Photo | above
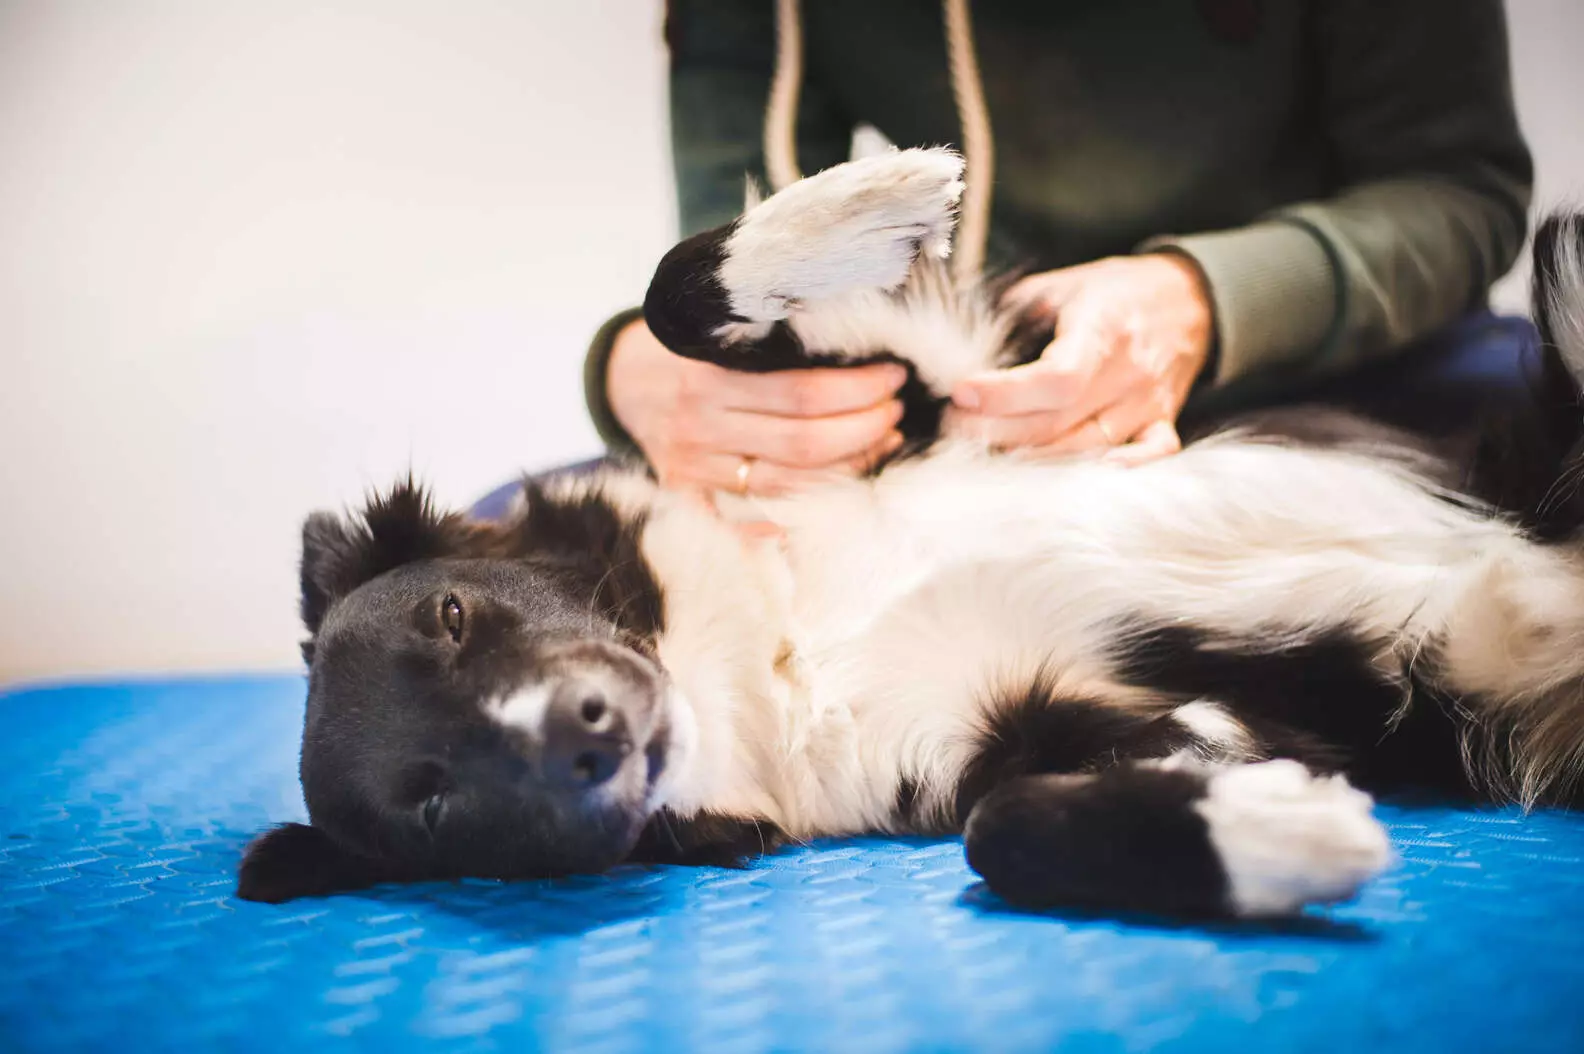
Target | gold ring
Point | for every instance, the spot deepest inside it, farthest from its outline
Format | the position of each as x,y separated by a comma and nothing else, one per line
1100,424
744,469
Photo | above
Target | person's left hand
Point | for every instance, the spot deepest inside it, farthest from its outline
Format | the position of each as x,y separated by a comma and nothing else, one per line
1133,334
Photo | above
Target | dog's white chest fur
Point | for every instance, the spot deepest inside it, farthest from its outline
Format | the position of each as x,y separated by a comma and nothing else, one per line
825,674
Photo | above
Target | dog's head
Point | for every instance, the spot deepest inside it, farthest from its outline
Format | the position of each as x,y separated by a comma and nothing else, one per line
482,698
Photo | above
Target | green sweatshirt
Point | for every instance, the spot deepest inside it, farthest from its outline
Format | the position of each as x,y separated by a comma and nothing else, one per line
1348,174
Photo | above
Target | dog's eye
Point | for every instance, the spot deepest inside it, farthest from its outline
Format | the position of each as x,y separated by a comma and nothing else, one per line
451,617
431,811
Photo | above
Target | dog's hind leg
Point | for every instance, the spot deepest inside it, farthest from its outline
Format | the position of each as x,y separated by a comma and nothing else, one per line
1160,807
731,295
1177,837
842,268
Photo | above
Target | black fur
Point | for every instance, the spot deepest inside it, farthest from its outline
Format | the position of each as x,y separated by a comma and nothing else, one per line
686,304
1507,457
602,548
1559,511
1124,838
1322,701
906,811
296,860
705,840
1040,732
419,619
396,528
1551,238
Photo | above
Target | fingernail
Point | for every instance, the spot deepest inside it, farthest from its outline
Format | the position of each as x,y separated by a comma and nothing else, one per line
966,398
893,441
896,375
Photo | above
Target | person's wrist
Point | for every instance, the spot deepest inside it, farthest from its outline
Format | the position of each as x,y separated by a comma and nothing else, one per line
624,362
1200,309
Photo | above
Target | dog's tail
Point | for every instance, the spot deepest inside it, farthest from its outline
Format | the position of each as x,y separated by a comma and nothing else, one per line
1557,305
1558,289
1529,462
1512,650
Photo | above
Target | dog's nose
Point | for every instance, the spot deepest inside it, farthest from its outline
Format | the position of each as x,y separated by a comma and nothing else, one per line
586,737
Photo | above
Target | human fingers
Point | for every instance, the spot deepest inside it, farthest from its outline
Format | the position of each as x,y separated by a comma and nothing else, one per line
822,392
1156,441
750,476
1111,428
803,443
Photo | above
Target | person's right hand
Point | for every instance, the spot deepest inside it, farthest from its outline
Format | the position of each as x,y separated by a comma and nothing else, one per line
698,423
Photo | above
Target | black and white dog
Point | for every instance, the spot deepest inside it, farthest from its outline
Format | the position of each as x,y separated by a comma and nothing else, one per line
1148,688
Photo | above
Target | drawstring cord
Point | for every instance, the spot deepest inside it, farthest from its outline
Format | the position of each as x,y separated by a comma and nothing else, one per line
780,125
973,233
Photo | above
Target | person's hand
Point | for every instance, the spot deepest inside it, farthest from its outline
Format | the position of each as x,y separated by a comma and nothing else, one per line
1132,336
699,425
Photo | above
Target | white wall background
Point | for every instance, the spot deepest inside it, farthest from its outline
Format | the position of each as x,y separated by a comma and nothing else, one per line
1549,84
255,257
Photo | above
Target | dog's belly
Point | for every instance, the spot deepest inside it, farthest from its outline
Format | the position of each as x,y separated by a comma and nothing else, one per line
917,596
1236,536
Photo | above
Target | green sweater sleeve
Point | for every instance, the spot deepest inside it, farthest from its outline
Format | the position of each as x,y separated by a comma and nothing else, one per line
722,55
595,364
1417,103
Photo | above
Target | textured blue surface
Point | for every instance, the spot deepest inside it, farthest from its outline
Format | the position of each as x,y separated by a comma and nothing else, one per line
125,807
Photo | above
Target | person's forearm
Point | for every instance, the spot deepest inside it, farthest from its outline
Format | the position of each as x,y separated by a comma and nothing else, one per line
1431,192
1412,254
1319,286
596,369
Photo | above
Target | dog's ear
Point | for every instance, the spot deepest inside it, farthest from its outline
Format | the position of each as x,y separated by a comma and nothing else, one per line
329,552
396,528
295,860
584,525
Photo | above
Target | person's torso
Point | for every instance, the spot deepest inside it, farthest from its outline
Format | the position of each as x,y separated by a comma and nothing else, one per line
1113,120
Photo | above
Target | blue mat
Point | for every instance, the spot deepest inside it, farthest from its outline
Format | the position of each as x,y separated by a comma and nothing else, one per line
126,805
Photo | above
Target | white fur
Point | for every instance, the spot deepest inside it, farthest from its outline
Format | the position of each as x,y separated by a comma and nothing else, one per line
742,332
907,600
865,649
949,333
813,676
523,710
630,494
852,259
1220,735
1287,838
725,622
851,228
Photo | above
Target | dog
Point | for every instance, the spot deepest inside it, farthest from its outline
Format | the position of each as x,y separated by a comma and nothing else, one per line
1166,689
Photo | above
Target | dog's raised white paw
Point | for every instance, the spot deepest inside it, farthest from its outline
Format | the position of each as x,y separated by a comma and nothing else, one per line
857,226
1287,838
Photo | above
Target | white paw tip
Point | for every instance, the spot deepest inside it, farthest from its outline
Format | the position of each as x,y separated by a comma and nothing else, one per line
941,160
1287,838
